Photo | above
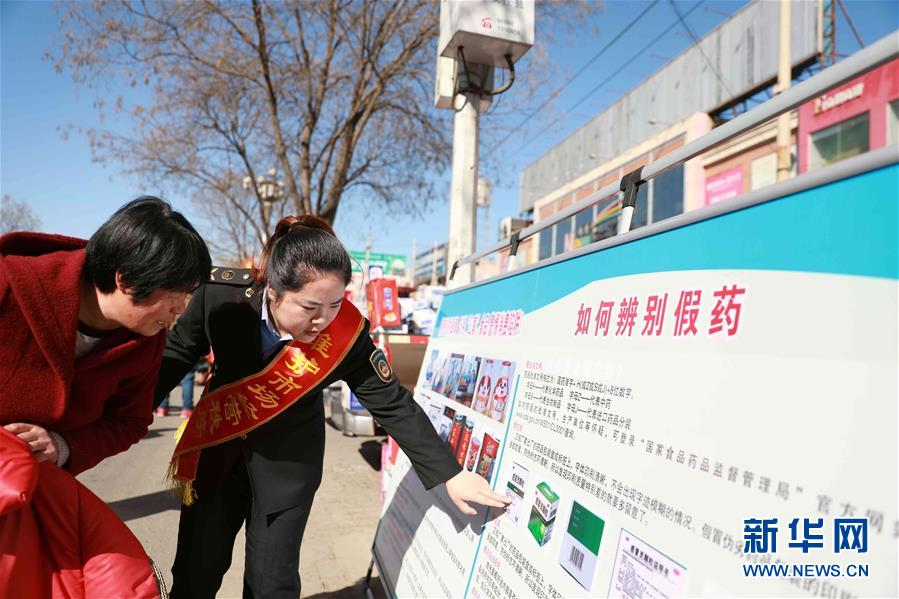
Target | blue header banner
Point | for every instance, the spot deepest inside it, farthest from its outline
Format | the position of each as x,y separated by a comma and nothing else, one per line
798,233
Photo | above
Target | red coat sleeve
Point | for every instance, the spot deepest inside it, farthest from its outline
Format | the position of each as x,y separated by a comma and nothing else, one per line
62,541
127,414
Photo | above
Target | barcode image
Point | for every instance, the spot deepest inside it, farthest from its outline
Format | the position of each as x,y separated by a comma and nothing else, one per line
576,558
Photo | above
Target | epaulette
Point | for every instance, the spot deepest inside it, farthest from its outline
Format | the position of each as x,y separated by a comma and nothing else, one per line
240,277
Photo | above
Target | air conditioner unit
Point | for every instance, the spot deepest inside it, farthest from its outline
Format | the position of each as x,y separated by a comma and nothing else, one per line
510,225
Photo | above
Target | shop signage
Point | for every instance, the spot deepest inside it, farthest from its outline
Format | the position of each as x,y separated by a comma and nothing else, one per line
390,264
724,185
827,102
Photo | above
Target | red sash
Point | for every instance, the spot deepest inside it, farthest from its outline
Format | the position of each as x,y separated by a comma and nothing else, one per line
237,408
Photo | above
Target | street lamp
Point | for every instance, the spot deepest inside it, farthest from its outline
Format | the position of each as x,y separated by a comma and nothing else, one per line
270,190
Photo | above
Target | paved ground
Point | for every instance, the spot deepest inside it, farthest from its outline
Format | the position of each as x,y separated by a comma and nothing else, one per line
337,543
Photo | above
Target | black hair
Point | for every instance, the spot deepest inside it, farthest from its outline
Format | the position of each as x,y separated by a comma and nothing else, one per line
300,250
151,246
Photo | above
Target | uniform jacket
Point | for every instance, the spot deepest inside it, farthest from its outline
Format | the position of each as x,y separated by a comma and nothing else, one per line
58,539
100,404
284,456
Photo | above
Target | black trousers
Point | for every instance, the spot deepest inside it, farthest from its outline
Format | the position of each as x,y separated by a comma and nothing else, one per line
206,539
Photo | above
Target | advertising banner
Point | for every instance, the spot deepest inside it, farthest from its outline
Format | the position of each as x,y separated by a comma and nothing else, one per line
724,186
390,264
382,301
707,411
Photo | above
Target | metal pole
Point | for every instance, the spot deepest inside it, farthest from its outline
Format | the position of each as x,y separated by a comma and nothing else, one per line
434,266
513,263
784,76
624,220
464,187
368,244
367,584
414,249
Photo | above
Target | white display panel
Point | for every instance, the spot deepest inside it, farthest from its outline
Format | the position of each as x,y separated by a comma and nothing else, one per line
698,413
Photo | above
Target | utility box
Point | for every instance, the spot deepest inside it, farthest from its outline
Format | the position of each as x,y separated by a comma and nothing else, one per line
487,29
446,84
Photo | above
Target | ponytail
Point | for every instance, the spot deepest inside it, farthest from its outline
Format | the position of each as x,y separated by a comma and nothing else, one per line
299,249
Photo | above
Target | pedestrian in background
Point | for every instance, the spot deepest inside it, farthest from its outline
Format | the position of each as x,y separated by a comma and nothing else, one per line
187,397
253,449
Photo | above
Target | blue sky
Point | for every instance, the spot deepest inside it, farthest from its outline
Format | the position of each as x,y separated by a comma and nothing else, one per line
71,195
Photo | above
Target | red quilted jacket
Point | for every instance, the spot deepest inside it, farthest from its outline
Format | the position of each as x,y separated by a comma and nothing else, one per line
58,539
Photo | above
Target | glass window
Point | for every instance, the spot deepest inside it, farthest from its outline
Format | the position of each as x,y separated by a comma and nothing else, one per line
606,229
569,234
763,171
839,142
583,223
893,122
546,243
564,239
606,221
668,194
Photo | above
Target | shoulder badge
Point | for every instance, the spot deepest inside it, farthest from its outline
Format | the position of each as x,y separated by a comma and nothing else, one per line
381,365
240,277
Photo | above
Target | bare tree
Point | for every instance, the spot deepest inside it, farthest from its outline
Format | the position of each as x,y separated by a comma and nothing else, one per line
334,97
16,215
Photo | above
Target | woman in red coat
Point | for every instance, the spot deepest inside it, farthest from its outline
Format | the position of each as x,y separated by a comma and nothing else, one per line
84,328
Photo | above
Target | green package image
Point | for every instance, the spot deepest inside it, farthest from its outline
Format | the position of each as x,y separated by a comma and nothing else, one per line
580,545
543,514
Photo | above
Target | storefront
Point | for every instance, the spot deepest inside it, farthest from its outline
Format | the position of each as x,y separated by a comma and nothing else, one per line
745,163
670,194
858,116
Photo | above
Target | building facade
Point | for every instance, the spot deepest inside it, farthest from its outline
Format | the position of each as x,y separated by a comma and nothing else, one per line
679,103
430,266
858,116
745,163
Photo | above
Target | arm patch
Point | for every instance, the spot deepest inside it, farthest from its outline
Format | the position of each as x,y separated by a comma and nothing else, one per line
381,365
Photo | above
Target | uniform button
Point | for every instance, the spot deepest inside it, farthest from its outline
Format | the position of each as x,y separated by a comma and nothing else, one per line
244,437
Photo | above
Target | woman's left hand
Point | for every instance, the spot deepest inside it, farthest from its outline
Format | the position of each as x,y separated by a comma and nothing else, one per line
41,442
468,486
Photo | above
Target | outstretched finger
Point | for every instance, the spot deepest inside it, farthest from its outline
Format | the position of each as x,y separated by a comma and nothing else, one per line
492,500
504,499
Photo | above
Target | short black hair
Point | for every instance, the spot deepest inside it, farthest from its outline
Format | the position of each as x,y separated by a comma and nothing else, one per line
151,246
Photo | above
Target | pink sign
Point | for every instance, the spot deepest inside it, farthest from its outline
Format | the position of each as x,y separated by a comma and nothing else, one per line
724,185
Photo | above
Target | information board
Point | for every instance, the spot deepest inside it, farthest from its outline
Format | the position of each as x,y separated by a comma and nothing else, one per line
706,411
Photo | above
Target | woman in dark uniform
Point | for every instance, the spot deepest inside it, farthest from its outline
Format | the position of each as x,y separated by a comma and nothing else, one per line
253,449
